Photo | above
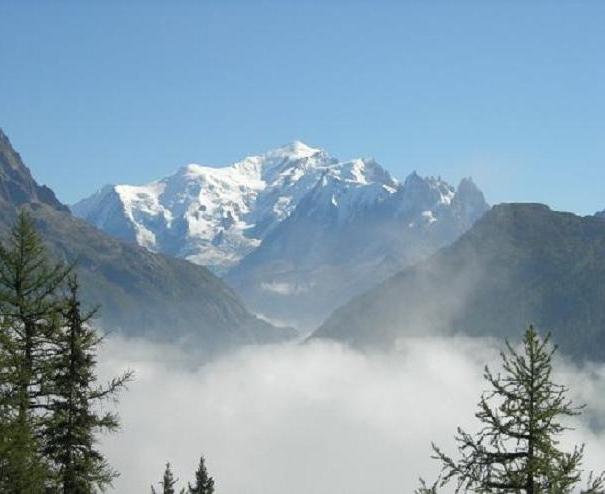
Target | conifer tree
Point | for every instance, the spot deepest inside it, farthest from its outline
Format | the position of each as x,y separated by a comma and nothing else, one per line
48,388
204,483
517,448
75,418
168,482
28,302
28,314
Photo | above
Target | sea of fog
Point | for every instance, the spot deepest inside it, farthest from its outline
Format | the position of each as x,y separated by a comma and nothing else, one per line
315,418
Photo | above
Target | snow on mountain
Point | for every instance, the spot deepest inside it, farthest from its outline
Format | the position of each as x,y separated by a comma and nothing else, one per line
216,216
296,231
345,238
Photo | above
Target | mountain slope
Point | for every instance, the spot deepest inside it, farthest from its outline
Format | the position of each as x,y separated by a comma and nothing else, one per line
17,186
141,293
520,263
341,241
296,231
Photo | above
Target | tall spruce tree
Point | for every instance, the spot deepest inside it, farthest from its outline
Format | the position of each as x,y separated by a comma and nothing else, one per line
517,448
75,419
204,483
28,312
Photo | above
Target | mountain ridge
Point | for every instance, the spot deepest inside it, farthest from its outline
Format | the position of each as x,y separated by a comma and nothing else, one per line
216,215
519,264
17,185
141,293
271,223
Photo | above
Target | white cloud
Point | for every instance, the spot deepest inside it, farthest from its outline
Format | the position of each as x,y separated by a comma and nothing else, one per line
317,418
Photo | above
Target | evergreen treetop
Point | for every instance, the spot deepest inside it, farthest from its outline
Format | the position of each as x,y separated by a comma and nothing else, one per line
517,448
168,483
204,483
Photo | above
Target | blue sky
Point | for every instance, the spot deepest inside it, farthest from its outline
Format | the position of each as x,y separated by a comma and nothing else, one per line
509,92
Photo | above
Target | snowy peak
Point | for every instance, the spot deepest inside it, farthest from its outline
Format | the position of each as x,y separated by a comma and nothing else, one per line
218,215
363,171
418,195
423,187
295,150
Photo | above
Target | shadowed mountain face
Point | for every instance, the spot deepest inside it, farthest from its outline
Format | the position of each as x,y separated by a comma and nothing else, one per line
519,264
140,292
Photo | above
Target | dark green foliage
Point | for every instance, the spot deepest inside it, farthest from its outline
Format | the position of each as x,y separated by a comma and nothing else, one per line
48,389
75,420
22,467
519,263
29,310
517,448
203,484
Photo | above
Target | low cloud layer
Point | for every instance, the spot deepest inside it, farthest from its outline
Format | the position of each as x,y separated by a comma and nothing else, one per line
318,418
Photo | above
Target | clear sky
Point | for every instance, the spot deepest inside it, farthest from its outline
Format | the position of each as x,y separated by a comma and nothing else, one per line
509,92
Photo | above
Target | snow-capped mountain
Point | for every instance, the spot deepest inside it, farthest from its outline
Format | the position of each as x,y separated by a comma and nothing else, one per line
344,239
215,216
295,230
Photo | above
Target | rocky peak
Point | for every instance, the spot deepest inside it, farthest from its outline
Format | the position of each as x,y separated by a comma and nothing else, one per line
17,186
469,200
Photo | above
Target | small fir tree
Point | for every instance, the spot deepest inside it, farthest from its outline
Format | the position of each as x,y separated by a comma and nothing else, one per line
167,483
204,483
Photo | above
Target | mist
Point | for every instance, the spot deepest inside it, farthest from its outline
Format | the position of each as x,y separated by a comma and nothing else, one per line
315,418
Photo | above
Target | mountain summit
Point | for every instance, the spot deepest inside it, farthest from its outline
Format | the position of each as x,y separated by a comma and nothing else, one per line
295,230
216,216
